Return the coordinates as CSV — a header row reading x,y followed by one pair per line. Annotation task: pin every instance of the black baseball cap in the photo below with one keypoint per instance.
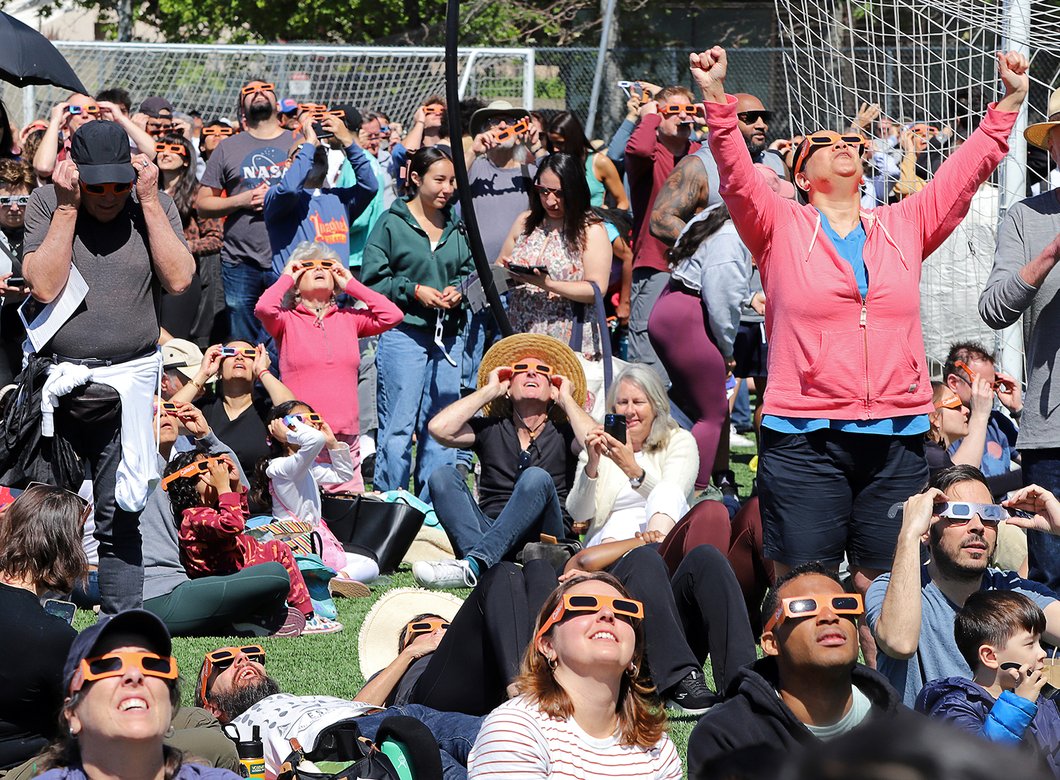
x,y
102,153
155,105
134,627
351,118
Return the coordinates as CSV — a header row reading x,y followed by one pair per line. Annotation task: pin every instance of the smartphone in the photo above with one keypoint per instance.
x,y
321,133
61,609
615,426
16,281
529,270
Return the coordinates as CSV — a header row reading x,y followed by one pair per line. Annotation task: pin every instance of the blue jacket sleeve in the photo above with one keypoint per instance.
x,y
359,196
616,150
282,196
1009,718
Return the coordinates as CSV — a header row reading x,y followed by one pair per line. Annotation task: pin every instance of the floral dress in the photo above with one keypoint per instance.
x,y
533,310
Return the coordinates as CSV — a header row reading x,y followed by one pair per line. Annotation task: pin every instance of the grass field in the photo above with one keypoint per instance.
x,y
328,664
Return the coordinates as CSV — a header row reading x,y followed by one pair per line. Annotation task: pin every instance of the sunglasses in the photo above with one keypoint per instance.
x,y
508,133
822,138
86,507
77,110
14,200
248,352
309,265
308,418
426,626
546,191
117,664
312,108
195,469
970,376
159,125
434,110
522,463
537,368
218,131
171,149
953,402
250,89
217,661
166,407
588,602
678,109
811,606
960,512
750,117
112,188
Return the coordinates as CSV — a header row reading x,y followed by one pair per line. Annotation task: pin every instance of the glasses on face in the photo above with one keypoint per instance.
x,y
309,265
166,408
78,110
217,661
247,352
546,191
960,512
108,188
953,402
307,418
750,117
519,128
537,368
117,664
159,126
425,626
222,132
676,109
824,138
629,609
433,110
12,201
373,136
969,376
811,606
250,89
161,148
195,469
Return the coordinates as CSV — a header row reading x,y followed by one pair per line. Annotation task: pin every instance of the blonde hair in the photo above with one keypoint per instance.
x,y
649,383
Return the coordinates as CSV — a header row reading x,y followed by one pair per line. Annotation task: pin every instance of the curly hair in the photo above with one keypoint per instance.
x,y
641,718
182,492
17,175
260,497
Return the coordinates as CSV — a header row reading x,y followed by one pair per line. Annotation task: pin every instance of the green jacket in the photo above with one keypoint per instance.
x,y
398,256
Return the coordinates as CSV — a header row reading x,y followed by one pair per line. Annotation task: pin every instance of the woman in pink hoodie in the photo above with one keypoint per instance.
x,y
849,391
317,338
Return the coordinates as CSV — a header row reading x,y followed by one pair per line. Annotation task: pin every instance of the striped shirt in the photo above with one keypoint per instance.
x,y
518,740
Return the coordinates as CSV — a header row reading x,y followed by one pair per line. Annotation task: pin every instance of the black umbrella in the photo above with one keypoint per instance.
x,y
27,57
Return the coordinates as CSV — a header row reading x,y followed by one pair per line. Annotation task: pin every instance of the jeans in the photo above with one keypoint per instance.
x,y
454,731
1042,468
533,508
244,283
415,383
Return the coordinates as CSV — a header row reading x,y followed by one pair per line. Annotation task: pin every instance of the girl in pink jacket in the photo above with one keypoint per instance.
x,y
317,339
849,392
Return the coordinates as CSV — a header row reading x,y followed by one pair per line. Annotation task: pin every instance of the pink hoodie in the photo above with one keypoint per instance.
x,y
831,354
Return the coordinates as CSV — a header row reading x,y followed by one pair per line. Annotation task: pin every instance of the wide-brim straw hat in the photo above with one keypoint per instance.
x,y
1038,133
546,349
495,108
377,643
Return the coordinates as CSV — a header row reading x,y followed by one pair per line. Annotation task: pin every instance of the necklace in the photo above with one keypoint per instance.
x,y
533,432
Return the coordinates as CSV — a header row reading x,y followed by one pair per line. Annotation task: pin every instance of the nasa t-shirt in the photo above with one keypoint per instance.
x,y
241,162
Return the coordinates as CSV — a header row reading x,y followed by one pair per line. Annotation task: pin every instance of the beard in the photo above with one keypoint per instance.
x,y
951,568
238,701
756,147
258,111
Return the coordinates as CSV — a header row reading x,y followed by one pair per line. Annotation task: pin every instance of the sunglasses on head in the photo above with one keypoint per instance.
x,y
13,200
811,606
969,376
425,626
85,505
113,188
824,138
217,661
750,117
307,418
676,109
630,609
434,110
77,110
537,368
960,512
195,469
117,664
171,149
250,89
953,402
309,265
248,352
218,131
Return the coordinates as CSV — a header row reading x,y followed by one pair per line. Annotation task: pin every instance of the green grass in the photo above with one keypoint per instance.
x,y
328,664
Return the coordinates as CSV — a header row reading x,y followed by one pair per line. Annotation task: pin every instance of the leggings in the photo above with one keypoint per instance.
x,y
209,606
739,540
681,338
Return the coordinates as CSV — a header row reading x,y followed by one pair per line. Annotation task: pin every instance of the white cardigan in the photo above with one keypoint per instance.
x,y
592,499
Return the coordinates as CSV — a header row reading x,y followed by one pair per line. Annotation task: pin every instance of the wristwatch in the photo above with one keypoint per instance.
x,y
636,482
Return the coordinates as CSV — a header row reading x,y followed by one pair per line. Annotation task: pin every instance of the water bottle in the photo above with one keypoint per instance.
x,y
251,756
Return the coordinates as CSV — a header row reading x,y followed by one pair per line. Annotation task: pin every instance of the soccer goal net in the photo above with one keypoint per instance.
x,y
930,64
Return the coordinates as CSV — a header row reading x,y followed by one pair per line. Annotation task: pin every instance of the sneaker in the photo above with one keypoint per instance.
x,y
318,624
368,468
349,589
691,696
738,440
287,623
444,574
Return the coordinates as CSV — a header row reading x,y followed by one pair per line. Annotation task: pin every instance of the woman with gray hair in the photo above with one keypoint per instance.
x,y
317,338
641,483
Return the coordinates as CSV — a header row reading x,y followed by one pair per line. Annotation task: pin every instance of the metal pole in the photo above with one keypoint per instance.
x,y
594,99
29,104
463,185
528,79
1014,170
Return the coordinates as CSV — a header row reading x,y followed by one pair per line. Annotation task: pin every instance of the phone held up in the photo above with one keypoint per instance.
x,y
615,426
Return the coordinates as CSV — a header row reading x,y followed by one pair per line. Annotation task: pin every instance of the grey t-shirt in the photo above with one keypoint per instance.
x,y
239,163
1027,229
118,316
937,655
500,196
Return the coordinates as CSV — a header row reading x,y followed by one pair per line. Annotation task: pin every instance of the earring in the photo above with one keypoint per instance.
x,y
552,662
632,670
170,732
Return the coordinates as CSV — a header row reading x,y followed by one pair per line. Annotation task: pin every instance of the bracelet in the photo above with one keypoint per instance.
x,y
263,371
197,384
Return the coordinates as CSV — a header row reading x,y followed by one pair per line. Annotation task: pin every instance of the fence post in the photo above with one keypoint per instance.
x,y
528,79
594,99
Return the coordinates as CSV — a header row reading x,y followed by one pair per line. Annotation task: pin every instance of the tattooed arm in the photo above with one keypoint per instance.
x,y
682,196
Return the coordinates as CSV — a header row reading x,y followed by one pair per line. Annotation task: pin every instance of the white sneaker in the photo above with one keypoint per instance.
x,y
444,574
739,440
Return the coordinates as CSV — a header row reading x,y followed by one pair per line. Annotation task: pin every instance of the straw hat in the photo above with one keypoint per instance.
x,y
377,644
1038,133
546,349
495,108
